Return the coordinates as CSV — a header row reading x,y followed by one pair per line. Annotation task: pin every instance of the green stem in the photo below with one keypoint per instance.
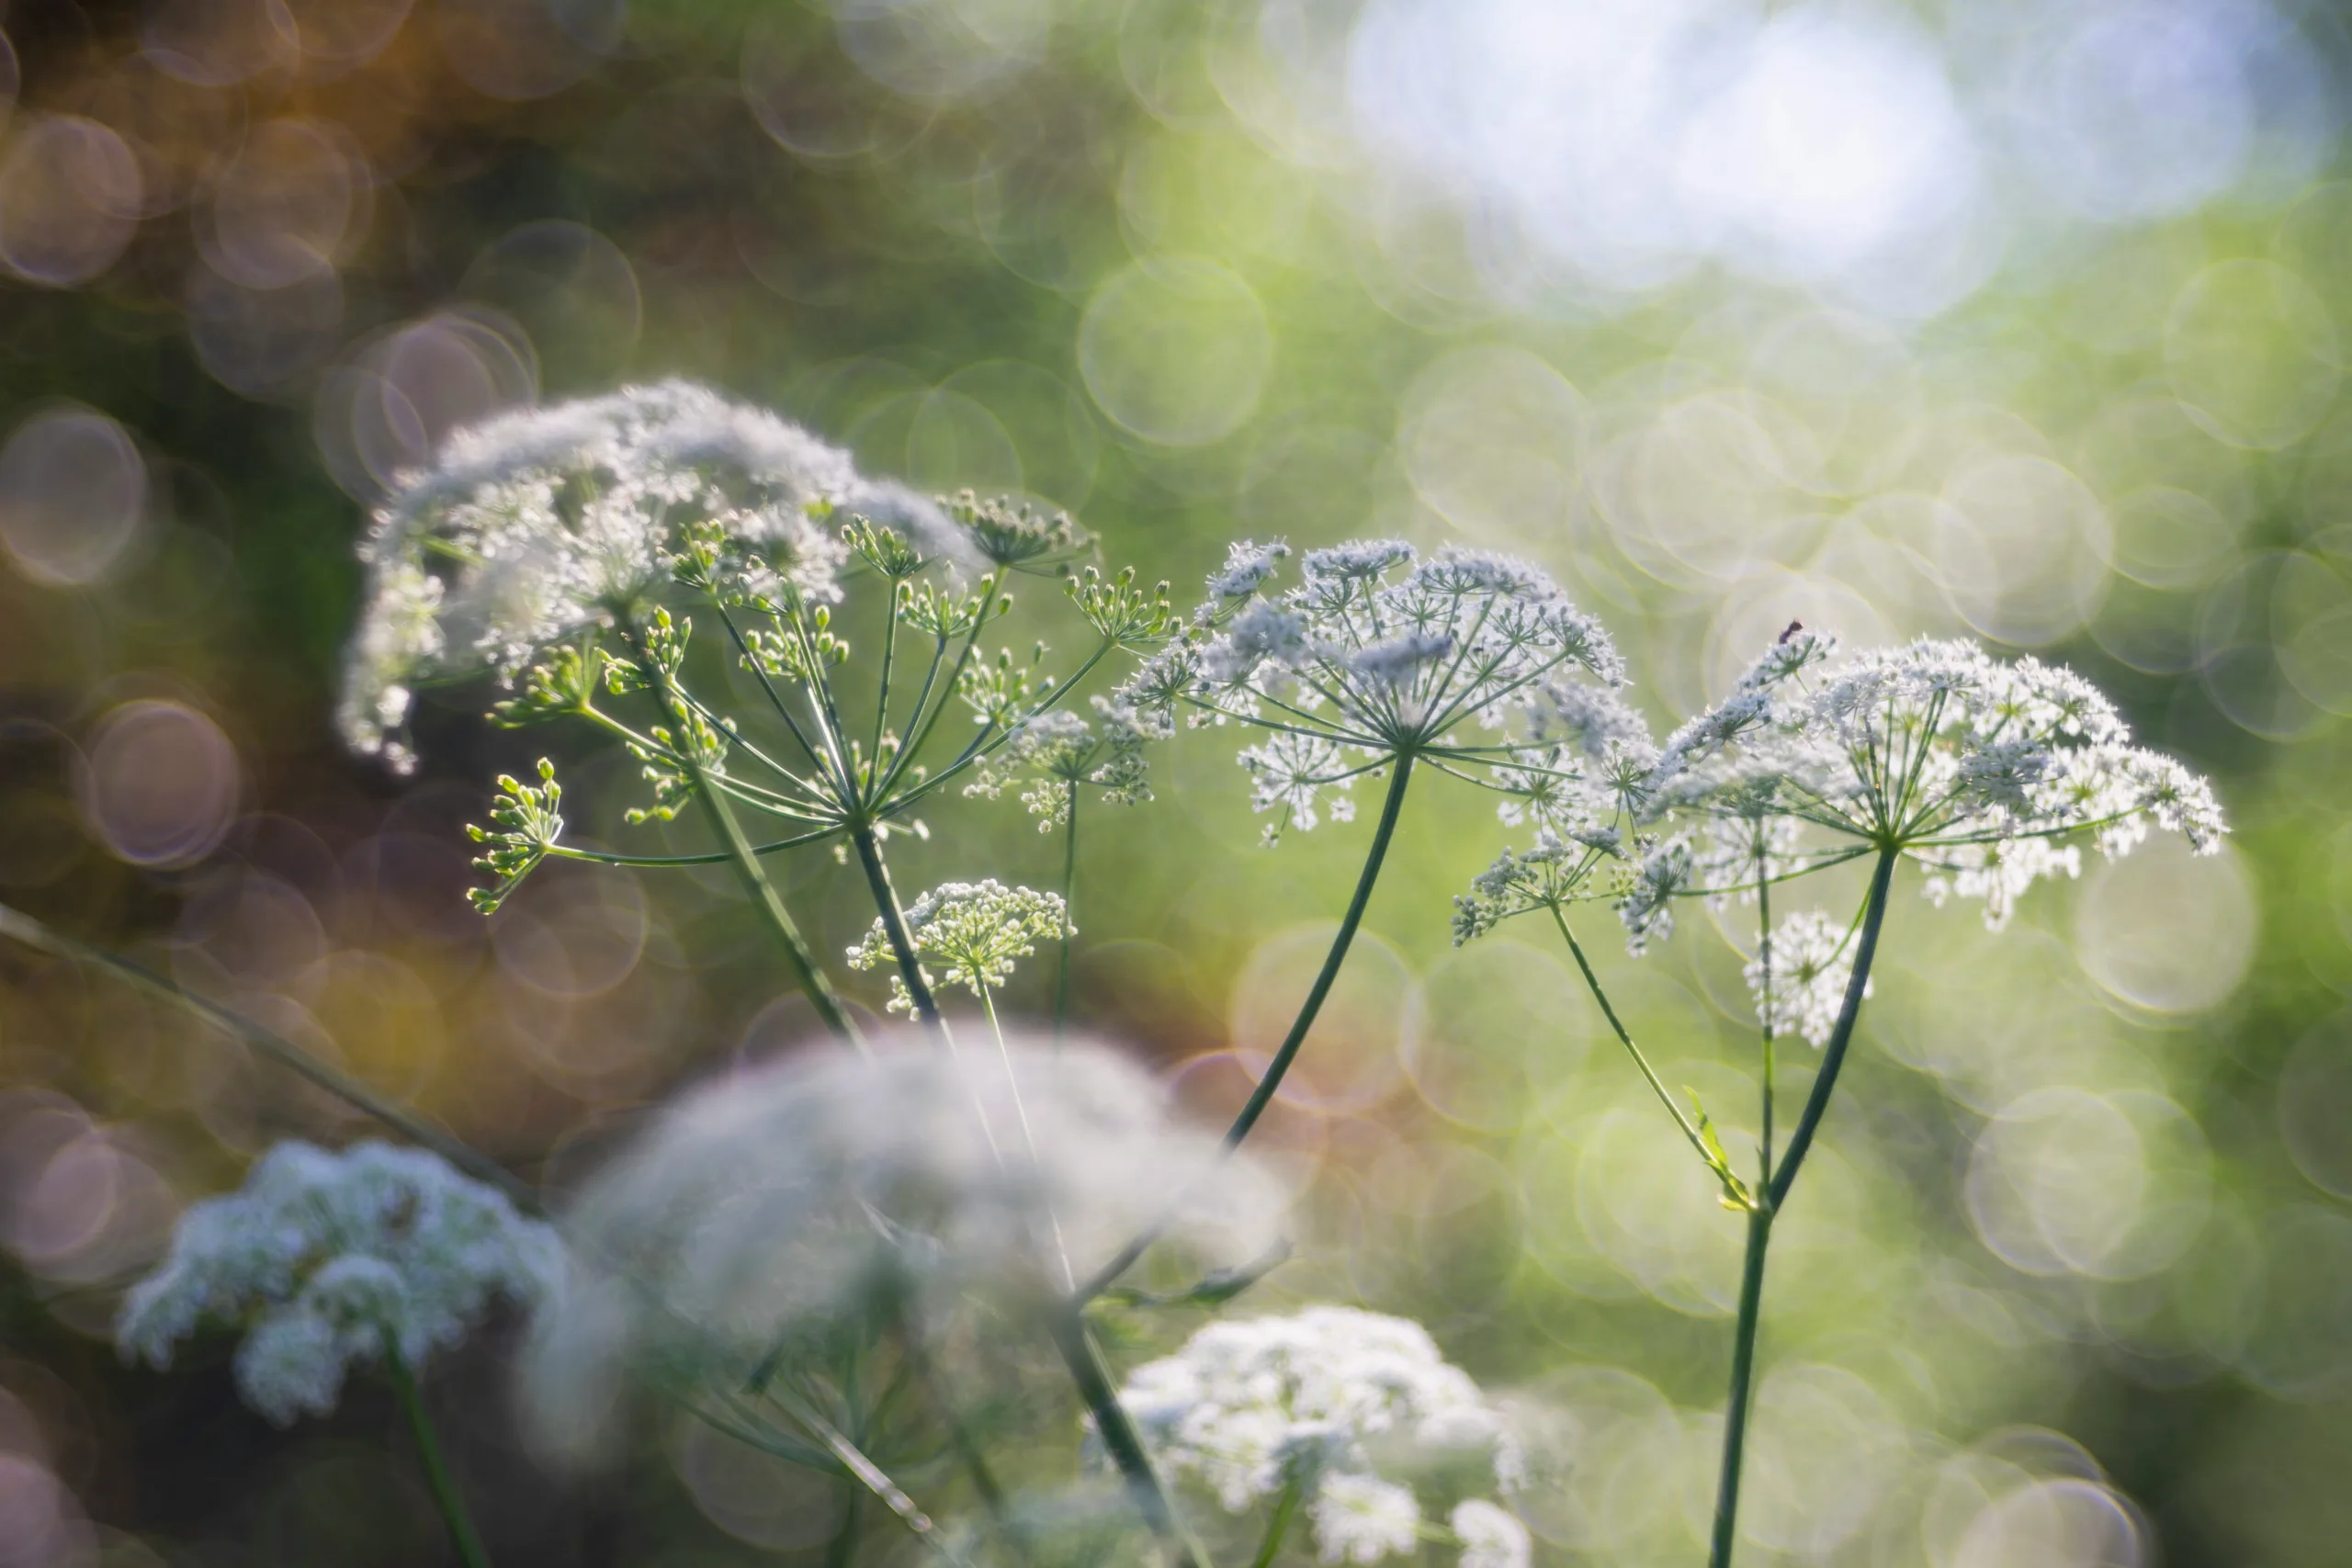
x,y
1069,904
1764,956
1285,1507
1775,1195
764,897
1657,1086
20,926
436,1471
1120,1438
894,924
1833,1055
1263,1095
1742,1367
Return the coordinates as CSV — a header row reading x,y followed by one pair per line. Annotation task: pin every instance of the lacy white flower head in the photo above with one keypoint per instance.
x,y
1377,654
1558,870
1349,1409
541,524
1491,1536
1977,768
834,1188
1811,960
1056,753
973,929
325,1260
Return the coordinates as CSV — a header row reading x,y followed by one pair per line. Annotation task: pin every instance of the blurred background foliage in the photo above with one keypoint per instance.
x,y
1998,320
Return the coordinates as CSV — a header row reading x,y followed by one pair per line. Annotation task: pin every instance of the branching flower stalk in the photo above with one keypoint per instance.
x,y
1985,773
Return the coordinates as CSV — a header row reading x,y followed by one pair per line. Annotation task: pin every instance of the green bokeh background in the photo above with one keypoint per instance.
x,y
2087,1178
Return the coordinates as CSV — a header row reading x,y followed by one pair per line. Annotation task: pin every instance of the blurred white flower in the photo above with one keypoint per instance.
x,y
833,1188
1345,1405
1362,1519
1813,959
541,524
325,1260
1491,1536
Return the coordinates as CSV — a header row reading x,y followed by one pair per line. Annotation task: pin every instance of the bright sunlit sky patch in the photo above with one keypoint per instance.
x,y
1843,147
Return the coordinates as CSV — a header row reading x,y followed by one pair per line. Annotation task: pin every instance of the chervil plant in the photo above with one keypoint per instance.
x,y
790,1254
566,551
1987,773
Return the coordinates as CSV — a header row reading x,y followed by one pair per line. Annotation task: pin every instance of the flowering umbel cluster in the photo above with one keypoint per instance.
x,y
1346,1409
1981,770
537,526
1799,977
1376,655
973,929
1058,753
329,1260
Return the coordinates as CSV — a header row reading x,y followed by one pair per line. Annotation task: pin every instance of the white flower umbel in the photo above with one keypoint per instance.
x,y
325,1260
1057,753
973,929
1491,1536
1341,1408
1376,657
1812,958
538,524
1979,769
832,1189
1362,1519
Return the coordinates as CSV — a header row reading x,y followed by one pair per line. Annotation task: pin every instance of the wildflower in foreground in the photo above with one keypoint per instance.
x,y
832,1189
331,1260
1342,1410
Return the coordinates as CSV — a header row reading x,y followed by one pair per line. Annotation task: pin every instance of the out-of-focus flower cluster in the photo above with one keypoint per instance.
x,y
1347,1408
330,1260
537,526
834,1189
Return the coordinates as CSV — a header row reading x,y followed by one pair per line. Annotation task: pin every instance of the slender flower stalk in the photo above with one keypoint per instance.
x,y
443,1487
273,1047
1277,1525
1069,893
